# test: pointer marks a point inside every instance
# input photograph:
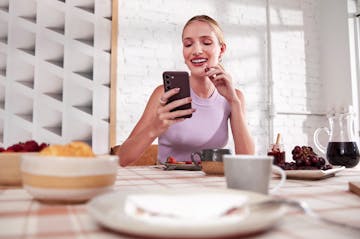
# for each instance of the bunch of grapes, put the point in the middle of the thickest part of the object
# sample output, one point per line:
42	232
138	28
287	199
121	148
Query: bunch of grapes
305	158
28	146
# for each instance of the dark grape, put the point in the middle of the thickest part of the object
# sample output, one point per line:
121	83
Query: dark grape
304	158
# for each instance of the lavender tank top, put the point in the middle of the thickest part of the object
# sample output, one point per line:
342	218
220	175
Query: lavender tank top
207	128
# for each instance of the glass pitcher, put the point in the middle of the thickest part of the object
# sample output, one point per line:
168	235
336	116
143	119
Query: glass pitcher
342	148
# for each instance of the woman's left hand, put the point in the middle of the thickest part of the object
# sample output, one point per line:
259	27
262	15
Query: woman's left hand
222	81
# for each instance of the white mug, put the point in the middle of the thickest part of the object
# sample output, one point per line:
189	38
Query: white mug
251	172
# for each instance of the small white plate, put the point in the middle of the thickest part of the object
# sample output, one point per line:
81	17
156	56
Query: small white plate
176	166
111	211
313	174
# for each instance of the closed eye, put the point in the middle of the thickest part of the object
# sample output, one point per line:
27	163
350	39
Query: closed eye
207	42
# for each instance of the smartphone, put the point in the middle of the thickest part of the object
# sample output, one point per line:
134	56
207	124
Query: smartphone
178	79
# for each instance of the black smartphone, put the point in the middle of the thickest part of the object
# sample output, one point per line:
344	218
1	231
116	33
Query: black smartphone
178	79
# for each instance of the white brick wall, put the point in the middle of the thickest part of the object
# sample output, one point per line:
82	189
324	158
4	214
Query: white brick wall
150	43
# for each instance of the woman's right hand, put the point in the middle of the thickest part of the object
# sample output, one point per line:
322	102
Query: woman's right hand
164	116
155	120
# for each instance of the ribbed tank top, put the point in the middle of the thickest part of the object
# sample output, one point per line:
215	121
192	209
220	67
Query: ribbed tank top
207	128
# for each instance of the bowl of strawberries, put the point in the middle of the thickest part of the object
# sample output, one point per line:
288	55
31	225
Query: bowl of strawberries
10	160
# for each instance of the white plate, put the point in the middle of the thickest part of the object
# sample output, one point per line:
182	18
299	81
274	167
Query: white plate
110	211
313	174
175	166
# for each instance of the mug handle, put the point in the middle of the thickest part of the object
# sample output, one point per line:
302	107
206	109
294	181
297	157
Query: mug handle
193	157
282	179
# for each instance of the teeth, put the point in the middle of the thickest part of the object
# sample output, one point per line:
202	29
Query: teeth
198	60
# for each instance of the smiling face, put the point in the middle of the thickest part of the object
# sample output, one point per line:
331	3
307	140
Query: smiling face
201	47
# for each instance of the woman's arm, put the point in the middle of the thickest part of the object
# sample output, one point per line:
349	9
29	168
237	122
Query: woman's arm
243	141
155	120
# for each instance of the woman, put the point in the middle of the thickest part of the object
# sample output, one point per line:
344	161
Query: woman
214	102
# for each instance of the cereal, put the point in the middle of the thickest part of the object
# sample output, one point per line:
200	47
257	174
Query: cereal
77	149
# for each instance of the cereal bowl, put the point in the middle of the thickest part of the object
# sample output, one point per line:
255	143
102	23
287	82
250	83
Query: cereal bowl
213	167
10	162
68	179
212	160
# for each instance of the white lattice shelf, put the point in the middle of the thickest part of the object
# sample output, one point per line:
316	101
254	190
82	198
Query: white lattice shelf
55	71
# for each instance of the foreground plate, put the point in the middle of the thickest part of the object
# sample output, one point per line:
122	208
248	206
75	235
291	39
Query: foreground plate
313	174
111	211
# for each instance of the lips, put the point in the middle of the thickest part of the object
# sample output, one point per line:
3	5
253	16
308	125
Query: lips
198	61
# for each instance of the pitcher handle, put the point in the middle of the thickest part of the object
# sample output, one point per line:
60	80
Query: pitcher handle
316	138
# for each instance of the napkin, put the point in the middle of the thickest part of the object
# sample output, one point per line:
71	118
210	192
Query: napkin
194	208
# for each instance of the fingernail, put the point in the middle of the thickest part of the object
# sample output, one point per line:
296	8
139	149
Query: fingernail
177	89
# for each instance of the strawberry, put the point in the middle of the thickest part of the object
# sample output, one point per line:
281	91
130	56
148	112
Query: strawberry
8	151
170	159
15	148
42	146
31	146
28	146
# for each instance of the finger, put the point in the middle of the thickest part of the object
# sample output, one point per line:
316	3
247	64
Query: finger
172	117
165	97
216	77
219	80
176	103
170	93
162	101
213	72
212	68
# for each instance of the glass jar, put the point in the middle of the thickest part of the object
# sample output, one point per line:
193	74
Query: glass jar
277	150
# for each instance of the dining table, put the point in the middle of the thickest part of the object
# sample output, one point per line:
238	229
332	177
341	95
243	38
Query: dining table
22	216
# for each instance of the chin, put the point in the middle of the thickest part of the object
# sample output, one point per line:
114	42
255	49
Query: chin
199	70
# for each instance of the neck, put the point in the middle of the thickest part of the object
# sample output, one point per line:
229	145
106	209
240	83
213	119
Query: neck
202	86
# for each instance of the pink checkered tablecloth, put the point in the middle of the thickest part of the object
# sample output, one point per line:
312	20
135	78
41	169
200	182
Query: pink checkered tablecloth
23	217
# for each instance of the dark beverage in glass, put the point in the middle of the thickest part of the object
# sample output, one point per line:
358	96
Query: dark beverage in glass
343	153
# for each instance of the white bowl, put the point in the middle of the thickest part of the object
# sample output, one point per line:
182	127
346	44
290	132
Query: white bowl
10	174
68	179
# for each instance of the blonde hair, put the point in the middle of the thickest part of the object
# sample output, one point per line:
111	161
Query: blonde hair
212	23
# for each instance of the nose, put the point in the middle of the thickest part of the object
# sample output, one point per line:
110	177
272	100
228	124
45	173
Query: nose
197	50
